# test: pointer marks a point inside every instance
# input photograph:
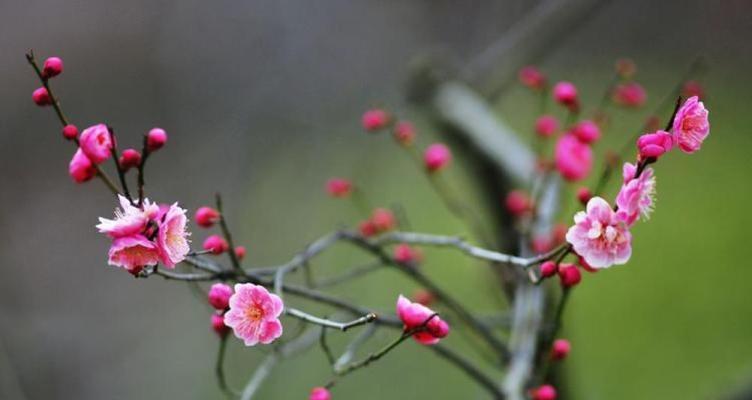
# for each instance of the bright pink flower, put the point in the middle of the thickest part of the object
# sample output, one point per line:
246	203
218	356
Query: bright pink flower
635	198
600	236
587	131
240	252
383	219
574	159
254	314
172	239
546	125
133	253
560	349
375	120
405	254
518	202
96	143
544	392
531	77
565	93
81	169
437	156
338	187
129	219
691	125
548	269
415	315
70	131
216	244
53	66
206	216
41	97
218	325
219	296
630	94
654	145
569	275
130	158
319	393
404	132
155	139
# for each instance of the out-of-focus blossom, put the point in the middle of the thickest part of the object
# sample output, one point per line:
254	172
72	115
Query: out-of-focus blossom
546	125
586	131
630	94
375	120
338	187
436	157
532	77
574	159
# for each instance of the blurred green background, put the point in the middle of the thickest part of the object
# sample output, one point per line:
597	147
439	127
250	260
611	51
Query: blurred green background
262	101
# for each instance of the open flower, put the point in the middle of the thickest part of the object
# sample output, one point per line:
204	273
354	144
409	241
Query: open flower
129	219
635	198
691	125
600	236
96	143
415	315
172	239
254	314
133	253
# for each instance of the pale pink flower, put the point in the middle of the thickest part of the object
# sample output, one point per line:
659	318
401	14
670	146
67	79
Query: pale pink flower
254	314
172	239
81	169
600	236
129	219
415	315
691	125
133	253
574	159
96	143
635	198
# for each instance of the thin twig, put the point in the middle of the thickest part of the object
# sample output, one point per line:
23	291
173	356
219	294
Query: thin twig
226	233
343	326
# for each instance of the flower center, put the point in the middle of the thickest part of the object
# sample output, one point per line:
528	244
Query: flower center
254	313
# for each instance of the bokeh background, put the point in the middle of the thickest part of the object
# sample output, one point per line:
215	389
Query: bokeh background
262	102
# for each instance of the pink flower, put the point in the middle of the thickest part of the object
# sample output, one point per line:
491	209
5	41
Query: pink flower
630	94
531	77
600	236
587	131
546	125
691	125
574	159
405	254
560	349
375	120
41	97
654	145
636	195
404	132
133	253
129	219
383	219
172	239
436	157
338	187
155	139
415	315
216	244
544	392
53	66
254	314
96	143
319	393
219	296
565	93
206	216
81	168
218	325
518	202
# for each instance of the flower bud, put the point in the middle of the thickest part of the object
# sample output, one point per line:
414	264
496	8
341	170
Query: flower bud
70	132
206	217
338	187
155	139
655	144
560	349
404	254
383	219
565	93
569	275
240	252
544	392
518	203
574	159
81	169
587	131
375	120
130	158
41	97
216	244
531	77
546	126
366	228
219	296
584	195
218	325
542	243
404	133
53	66
96	143
548	269
319	393
436	157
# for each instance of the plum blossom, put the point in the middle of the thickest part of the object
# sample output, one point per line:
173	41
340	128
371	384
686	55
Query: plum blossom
96	143
219	296
415	315
574	159
436	157
172	239
654	145
133	253
635	198
129	219
254	314
600	236
691	126
81	169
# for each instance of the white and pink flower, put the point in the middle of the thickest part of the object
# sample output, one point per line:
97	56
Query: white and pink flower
254	314
129	219
600	236
172	239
